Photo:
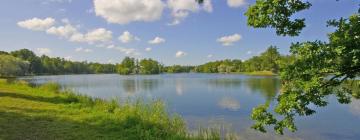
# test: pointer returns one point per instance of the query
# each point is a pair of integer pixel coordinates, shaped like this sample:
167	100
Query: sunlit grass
45	112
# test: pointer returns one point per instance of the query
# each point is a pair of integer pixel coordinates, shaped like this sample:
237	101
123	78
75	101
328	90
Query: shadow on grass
54	100
15	126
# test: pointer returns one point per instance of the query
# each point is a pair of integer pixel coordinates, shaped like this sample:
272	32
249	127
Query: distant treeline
25	62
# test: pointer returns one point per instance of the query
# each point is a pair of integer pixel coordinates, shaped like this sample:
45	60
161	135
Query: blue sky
196	37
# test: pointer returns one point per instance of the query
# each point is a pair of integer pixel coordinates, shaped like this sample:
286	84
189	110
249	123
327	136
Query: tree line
25	62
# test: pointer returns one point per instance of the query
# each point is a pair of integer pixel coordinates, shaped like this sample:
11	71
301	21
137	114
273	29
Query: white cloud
249	52
68	58
229	103
98	35
83	50
56	1
180	54
79	49
67	30
157	40
127	37
62	31
148	49
236	3
208	6
42	51
93	36
110	46
128	51
210	56
37	24
180	9
126	11
229	40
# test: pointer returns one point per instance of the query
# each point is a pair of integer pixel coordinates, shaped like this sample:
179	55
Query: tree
305	79
149	66
276	14
12	66
127	66
27	55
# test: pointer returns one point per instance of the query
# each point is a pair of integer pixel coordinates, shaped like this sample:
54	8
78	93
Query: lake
215	100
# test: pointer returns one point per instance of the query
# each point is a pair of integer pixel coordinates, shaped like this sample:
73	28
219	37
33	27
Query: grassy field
45	113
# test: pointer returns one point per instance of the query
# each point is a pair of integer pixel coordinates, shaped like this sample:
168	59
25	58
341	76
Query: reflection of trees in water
132	86
224	83
229	103
268	87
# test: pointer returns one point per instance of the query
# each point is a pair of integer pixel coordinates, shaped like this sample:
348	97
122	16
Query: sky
170	31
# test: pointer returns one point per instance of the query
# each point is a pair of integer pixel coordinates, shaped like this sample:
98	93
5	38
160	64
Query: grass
45	112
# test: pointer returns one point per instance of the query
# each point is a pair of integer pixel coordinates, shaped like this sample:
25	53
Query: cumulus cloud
210	56
62	31
128	51
67	30
180	54
98	35
157	40
229	103
180	9
42	51
83	50
127	37
229	40
148	49
126	11
37	24
235	3
93	36
55	1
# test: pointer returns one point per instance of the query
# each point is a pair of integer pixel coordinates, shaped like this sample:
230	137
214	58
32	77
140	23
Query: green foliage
11	66
266	61
277	14
178	69
47	65
27	55
127	66
320	69
149	66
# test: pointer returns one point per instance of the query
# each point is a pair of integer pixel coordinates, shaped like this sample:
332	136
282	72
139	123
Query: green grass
44	113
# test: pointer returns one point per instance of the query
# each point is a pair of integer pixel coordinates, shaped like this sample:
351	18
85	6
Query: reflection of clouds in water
179	87
229	103
355	107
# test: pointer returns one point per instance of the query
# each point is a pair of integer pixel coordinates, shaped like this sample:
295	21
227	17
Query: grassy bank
46	113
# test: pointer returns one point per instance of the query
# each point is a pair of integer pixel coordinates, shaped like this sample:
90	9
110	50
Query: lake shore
45	112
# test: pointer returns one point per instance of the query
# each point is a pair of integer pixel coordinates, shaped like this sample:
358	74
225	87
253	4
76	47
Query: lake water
209	99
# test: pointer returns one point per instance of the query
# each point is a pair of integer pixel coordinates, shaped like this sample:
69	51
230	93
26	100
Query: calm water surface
216	99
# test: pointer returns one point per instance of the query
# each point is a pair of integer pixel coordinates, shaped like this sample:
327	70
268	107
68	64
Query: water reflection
224	83
179	87
355	107
229	103
133	86
205	96
268	87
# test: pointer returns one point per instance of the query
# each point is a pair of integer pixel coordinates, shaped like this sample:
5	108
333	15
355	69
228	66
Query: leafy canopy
320	69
